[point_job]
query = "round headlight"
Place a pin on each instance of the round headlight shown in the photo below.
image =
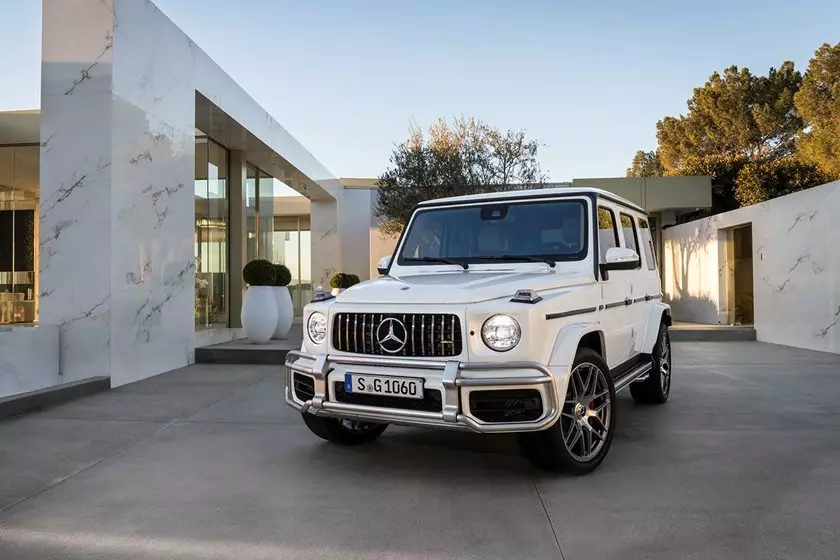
(316, 326)
(501, 333)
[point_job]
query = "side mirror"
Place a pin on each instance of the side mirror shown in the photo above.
(620, 258)
(383, 264)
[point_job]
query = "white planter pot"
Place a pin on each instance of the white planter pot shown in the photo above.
(259, 314)
(336, 291)
(285, 312)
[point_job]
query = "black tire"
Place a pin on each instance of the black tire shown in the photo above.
(548, 450)
(338, 431)
(657, 387)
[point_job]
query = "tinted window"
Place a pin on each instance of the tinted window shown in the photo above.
(607, 235)
(628, 230)
(498, 231)
(647, 244)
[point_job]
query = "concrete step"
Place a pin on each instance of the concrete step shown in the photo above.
(243, 352)
(695, 332)
(15, 405)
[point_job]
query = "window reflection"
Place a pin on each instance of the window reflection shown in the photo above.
(211, 234)
(19, 205)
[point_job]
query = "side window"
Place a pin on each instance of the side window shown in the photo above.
(628, 230)
(607, 234)
(647, 244)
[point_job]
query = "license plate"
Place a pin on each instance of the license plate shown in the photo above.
(386, 386)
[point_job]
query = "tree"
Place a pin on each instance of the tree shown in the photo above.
(646, 164)
(759, 181)
(467, 157)
(741, 129)
(818, 100)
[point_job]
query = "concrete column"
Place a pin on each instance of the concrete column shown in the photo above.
(326, 244)
(237, 234)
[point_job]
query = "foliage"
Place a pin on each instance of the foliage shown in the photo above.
(467, 157)
(760, 181)
(259, 272)
(743, 130)
(343, 280)
(818, 100)
(646, 164)
(282, 275)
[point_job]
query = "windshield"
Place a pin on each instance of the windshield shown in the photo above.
(512, 231)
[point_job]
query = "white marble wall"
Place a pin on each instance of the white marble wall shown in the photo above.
(117, 167)
(28, 358)
(796, 268)
(118, 113)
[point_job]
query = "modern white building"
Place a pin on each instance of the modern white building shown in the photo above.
(131, 199)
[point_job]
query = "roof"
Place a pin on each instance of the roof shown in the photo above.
(533, 193)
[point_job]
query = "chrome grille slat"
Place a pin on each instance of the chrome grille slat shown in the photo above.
(436, 335)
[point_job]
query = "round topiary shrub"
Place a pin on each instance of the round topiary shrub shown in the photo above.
(282, 277)
(338, 280)
(259, 272)
(352, 280)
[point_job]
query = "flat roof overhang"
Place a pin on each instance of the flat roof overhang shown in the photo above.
(20, 127)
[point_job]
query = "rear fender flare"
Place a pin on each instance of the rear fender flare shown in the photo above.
(659, 313)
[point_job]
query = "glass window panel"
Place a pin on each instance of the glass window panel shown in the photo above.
(628, 230)
(265, 192)
(647, 244)
(18, 226)
(607, 234)
(211, 234)
(251, 214)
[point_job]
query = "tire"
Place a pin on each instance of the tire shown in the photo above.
(580, 439)
(343, 432)
(657, 387)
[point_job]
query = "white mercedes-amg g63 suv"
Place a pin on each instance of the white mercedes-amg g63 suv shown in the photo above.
(521, 311)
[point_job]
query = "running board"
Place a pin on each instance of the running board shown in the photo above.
(633, 375)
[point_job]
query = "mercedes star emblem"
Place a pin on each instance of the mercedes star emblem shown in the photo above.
(391, 335)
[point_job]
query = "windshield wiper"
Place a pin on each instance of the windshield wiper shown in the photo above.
(514, 258)
(436, 260)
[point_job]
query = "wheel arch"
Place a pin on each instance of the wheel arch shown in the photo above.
(574, 336)
(659, 313)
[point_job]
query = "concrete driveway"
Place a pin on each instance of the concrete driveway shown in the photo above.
(205, 463)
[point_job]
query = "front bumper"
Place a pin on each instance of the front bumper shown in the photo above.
(444, 374)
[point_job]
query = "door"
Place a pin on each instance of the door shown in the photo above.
(639, 311)
(615, 290)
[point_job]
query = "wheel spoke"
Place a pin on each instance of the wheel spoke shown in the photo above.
(589, 445)
(596, 431)
(588, 379)
(601, 406)
(570, 416)
(578, 434)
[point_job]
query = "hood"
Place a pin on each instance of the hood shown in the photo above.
(458, 287)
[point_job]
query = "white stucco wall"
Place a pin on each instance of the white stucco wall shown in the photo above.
(796, 268)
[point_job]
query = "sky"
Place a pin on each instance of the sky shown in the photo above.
(589, 80)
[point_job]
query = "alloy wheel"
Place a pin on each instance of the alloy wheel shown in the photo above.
(665, 363)
(587, 412)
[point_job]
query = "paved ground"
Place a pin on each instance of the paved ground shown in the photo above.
(204, 463)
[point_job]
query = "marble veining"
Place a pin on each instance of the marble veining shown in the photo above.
(795, 264)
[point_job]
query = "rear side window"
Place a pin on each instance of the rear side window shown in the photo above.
(607, 234)
(647, 244)
(628, 230)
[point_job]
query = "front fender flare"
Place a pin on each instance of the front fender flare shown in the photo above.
(567, 341)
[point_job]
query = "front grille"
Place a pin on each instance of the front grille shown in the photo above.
(425, 334)
(511, 405)
(431, 401)
(304, 387)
